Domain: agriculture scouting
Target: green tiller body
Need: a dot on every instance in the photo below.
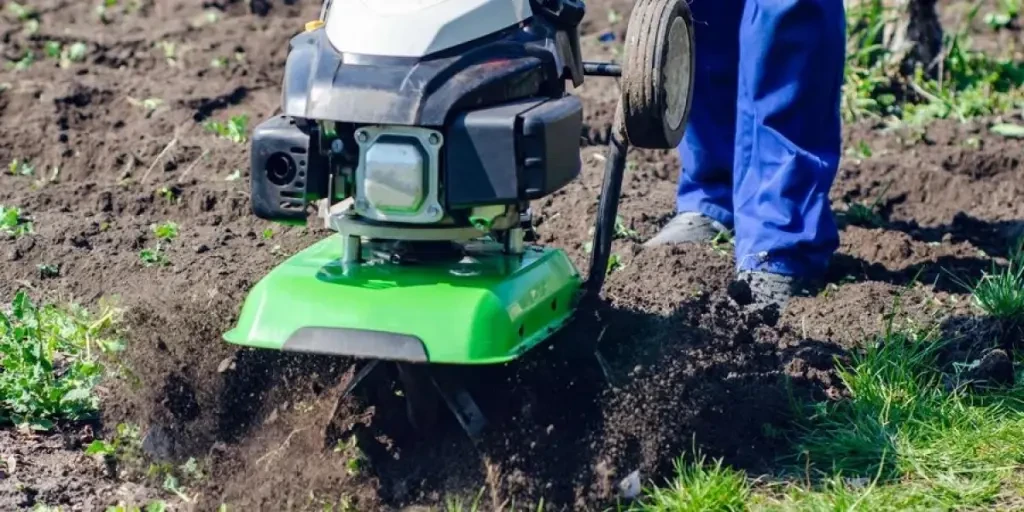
(422, 133)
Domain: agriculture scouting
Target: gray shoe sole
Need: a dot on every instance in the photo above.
(766, 289)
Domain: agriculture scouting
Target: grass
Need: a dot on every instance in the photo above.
(50, 360)
(902, 441)
(907, 437)
(698, 486)
(1000, 293)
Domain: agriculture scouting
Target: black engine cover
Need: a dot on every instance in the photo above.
(514, 152)
(288, 170)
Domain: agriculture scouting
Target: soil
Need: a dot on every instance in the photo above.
(686, 367)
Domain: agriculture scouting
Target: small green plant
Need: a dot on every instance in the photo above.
(268, 233)
(1009, 11)
(124, 449)
(169, 194)
(20, 168)
(52, 49)
(21, 12)
(864, 215)
(12, 222)
(24, 62)
(1008, 130)
(235, 129)
(723, 242)
(623, 231)
(50, 360)
(47, 271)
(147, 104)
(66, 55)
(103, 10)
(170, 52)
(153, 506)
(165, 233)
(153, 257)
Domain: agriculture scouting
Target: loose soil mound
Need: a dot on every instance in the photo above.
(686, 366)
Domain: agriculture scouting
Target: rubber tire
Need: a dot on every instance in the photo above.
(645, 74)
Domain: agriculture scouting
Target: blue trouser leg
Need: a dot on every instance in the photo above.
(706, 180)
(788, 134)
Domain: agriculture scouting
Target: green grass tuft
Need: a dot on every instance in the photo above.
(906, 429)
(698, 487)
(1000, 293)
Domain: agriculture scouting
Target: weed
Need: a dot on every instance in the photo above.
(153, 506)
(148, 104)
(455, 504)
(1008, 12)
(234, 130)
(52, 49)
(165, 233)
(696, 487)
(13, 223)
(170, 52)
(24, 62)
(1008, 130)
(723, 242)
(20, 168)
(66, 55)
(169, 194)
(48, 271)
(21, 12)
(622, 231)
(123, 453)
(969, 83)
(50, 361)
(860, 214)
(153, 257)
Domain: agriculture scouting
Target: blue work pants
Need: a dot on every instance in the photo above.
(763, 143)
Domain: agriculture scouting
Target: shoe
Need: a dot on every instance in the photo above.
(688, 227)
(765, 289)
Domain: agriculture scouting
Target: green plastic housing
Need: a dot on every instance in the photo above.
(487, 309)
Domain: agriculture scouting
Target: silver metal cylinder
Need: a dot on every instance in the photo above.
(353, 249)
(514, 241)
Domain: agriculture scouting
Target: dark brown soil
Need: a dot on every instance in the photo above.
(686, 366)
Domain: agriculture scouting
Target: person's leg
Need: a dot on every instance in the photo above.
(704, 193)
(789, 139)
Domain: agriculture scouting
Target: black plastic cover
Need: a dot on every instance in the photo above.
(549, 143)
(510, 153)
(287, 169)
(323, 84)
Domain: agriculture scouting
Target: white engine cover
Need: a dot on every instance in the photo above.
(414, 28)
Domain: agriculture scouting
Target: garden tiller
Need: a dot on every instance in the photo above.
(422, 130)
